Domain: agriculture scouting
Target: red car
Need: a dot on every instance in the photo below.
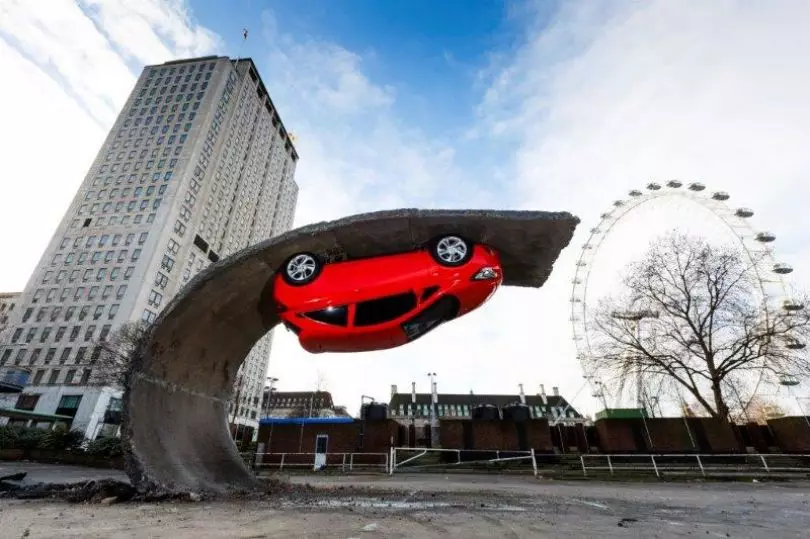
(383, 301)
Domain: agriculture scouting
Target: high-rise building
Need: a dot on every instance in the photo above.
(197, 166)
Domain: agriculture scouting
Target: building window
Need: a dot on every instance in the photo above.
(69, 404)
(105, 331)
(155, 298)
(167, 263)
(27, 402)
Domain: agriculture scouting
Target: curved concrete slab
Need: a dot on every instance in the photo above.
(175, 406)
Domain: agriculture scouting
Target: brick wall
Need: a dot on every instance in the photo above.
(667, 434)
(356, 437)
(792, 434)
(495, 435)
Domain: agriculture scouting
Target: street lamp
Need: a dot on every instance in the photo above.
(266, 411)
(434, 429)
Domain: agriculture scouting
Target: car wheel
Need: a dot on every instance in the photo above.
(451, 250)
(301, 269)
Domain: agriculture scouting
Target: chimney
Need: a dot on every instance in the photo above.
(542, 390)
(413, 392)
(556, 391)
(393, 389)
(522, 394)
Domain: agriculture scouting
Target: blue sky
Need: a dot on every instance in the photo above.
(522, 104)
(430, 52)
(434, 58)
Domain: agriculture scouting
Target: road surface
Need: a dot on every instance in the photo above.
(464, 506)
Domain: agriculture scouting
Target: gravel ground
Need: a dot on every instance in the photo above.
(415, 506)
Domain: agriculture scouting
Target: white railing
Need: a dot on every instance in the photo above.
(400, 459)
(704, 464)
(422, 452)
(347, 462)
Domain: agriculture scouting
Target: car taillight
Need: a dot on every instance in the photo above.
(486, 274)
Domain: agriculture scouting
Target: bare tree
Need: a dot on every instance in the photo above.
(705, 326)
(117, 350)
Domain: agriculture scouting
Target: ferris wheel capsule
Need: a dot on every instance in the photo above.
(720, 195)
(745, 213)
(788, 380)
(696, 186)
(674, 184)
(790, 305)
(635, 193)
(764, 237)
(653, 186)
(782, 269)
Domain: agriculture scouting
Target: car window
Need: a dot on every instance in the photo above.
(337, 316)
(377, 311)
(429, 319)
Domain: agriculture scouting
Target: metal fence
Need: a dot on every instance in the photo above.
(444, 458)
(410, 459)
(346, 462)
(697, 464)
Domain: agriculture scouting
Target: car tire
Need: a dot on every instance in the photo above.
(301, 269)
(445, 250)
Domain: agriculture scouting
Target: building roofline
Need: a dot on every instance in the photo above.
(273, 110)
(263, 90)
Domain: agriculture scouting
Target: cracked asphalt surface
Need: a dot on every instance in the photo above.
(416, 506)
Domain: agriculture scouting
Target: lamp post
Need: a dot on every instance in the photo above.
(434, 430)
(271, 385)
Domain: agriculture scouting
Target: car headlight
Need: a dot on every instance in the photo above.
(485, 274)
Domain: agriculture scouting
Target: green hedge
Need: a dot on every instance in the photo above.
(25, 438)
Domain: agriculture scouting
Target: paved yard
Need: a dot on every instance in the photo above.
(467, 506)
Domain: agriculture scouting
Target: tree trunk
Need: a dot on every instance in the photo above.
(720, 403)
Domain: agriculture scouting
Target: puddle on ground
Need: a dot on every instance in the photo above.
(371, 503)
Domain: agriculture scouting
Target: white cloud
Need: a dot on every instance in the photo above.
(602, 101)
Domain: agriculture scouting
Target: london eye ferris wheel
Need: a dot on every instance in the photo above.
(757, 245)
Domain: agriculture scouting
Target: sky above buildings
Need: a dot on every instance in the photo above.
(486, 104)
